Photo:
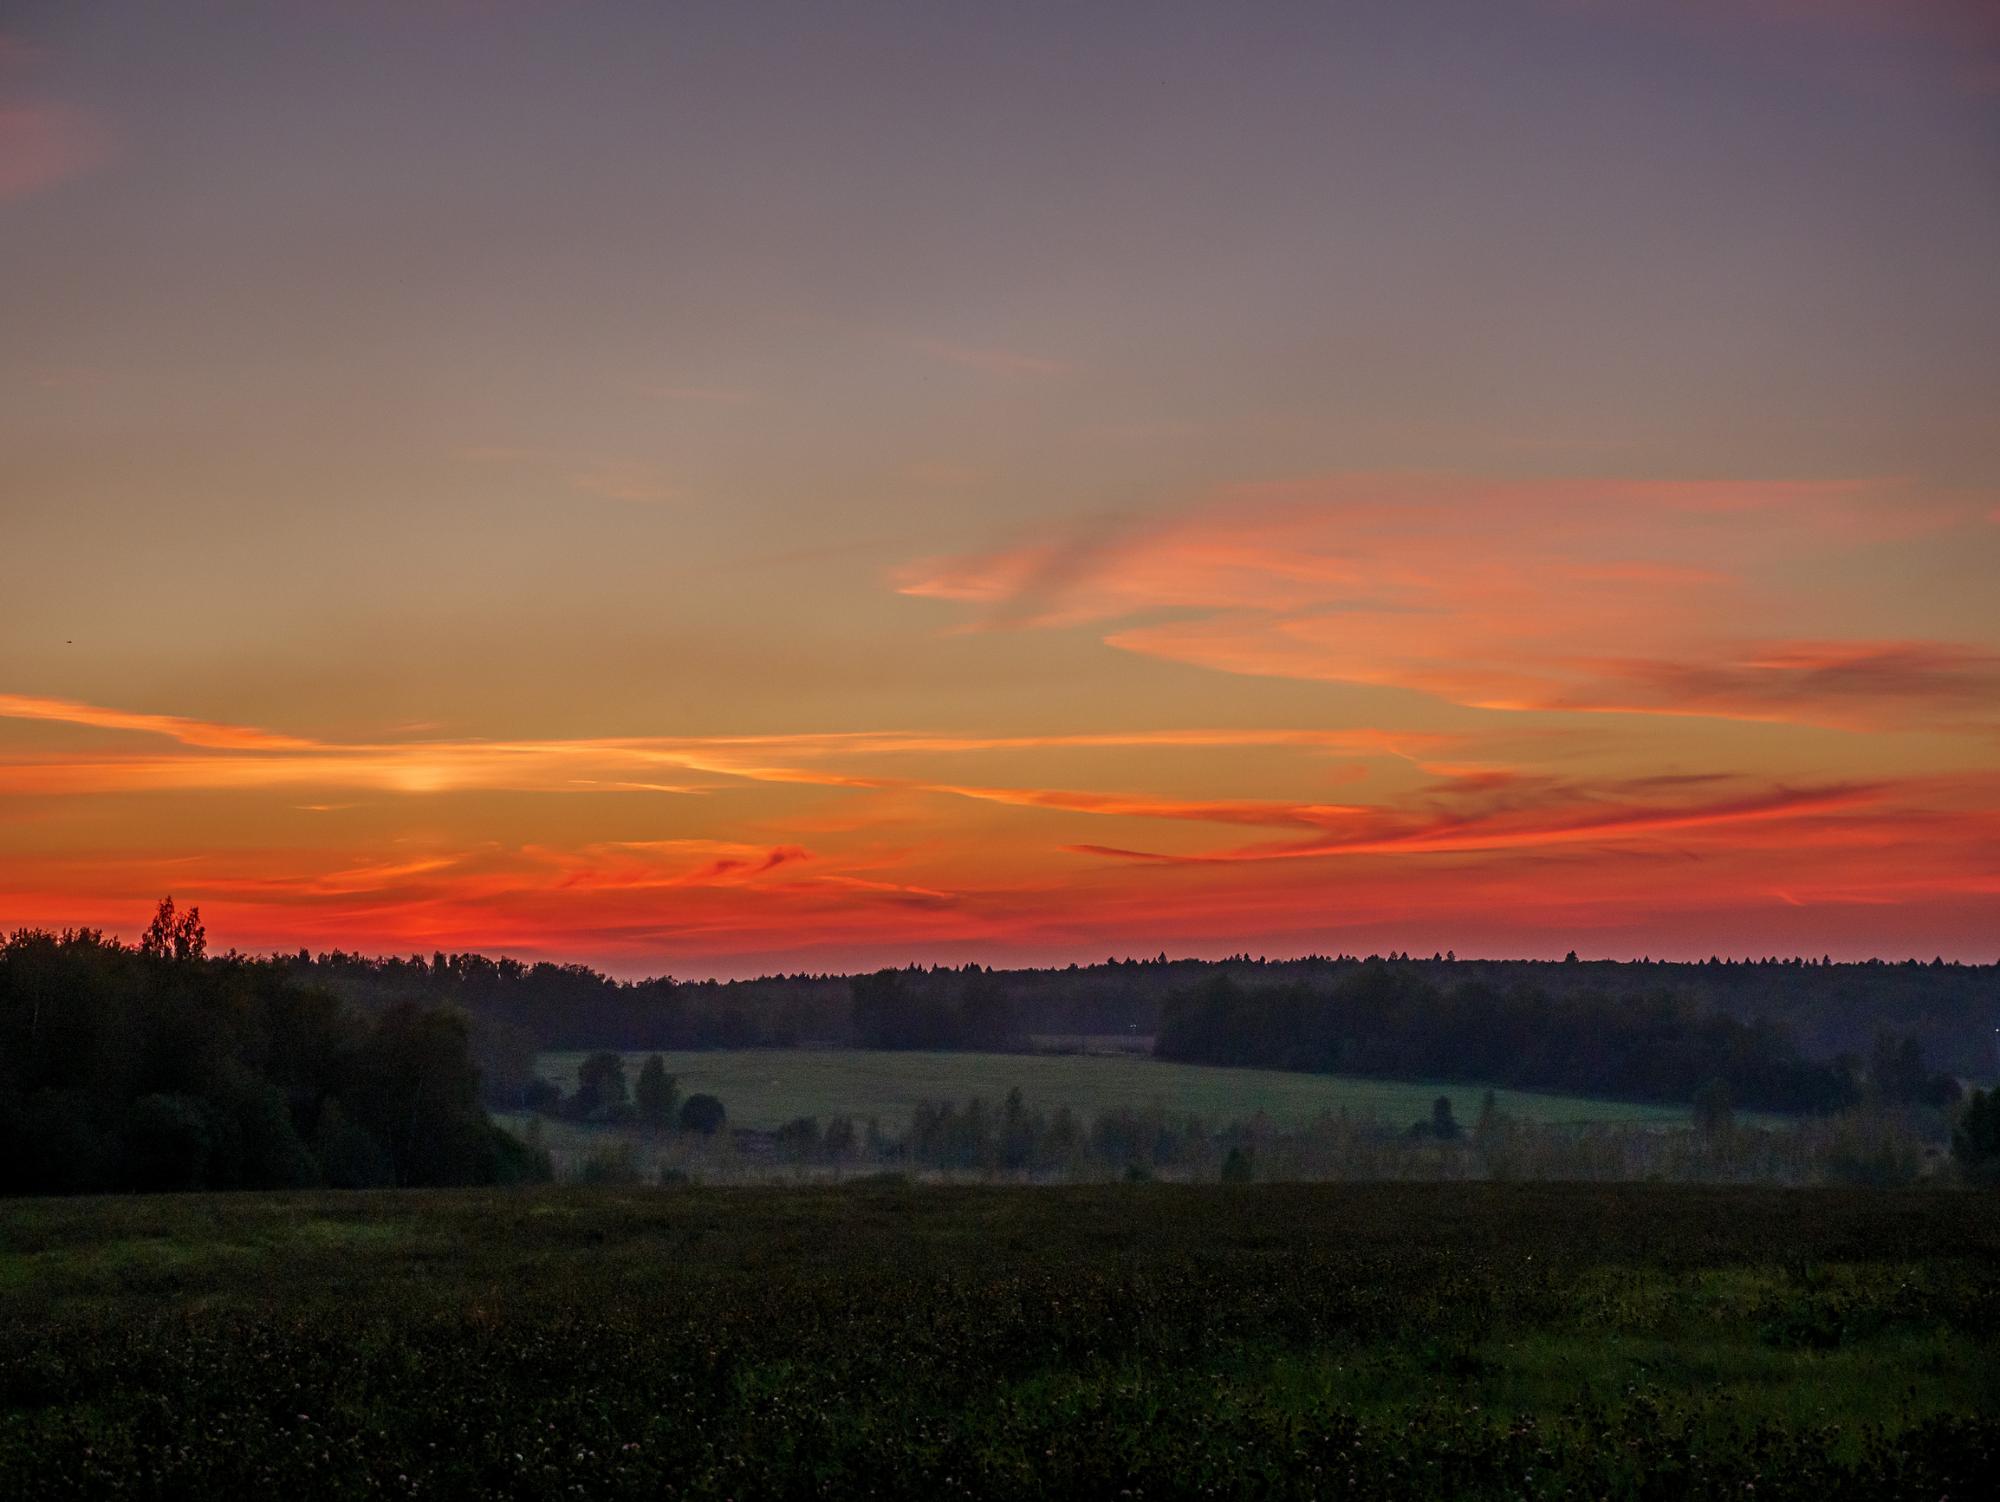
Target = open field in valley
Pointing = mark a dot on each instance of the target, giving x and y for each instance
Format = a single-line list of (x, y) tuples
[(764, 1087)]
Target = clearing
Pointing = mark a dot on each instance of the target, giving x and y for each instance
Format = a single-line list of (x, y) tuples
[(766, 1087)]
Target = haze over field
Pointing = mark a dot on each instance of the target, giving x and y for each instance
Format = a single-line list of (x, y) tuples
[(716, 490)]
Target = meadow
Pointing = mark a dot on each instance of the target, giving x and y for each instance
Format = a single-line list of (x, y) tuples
[(766, 1087), (1467, 1340)]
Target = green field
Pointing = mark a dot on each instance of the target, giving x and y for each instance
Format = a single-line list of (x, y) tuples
[(765, 1087), (891, 1340)]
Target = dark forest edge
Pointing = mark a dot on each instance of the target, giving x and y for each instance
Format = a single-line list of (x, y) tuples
[(156, 1067), (1826, 1008), (1775, 1035), (153, 1067)]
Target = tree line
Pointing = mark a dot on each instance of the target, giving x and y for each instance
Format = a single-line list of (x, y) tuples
[(156, 1067), (1826, 1008), (1394, 1022)]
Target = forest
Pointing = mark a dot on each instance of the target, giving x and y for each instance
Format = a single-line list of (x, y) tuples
[(1780, 1034), (155, 1067), (1386, 1021)]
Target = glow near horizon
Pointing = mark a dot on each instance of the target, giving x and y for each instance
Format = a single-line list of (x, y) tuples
[(708, 494)]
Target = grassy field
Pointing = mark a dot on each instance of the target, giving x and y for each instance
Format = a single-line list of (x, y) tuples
[(888, 1340), (765, 1087)]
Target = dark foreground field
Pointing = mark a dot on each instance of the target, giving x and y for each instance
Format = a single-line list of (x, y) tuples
[(1434, 1340)]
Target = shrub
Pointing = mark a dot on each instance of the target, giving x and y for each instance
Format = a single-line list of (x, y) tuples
[(704, 1114), (610, 1163), (542, 1097), (519, 1162), (799, 1137), (657, 1096), (1975, 1137)]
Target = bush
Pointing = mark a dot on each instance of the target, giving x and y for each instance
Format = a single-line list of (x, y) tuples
[(518, 1162), (610, 1163), (704, 1114), (601, 1094), (1975, 1137), (1874, 1152), (657, 1096), (799, 1137), (542, 1097)]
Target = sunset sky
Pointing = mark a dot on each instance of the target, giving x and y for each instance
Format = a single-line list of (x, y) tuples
[(718, 489)]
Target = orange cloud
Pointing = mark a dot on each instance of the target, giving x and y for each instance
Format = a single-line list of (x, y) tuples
[(1377, 834), (1567, 595), (989, 358), (45, 144), (187, 732), (584, 764), (970, 864), (1139, 806)]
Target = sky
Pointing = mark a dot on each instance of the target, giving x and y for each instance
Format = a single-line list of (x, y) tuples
[(711, 490)]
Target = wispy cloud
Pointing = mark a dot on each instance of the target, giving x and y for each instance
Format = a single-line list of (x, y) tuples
[(1569, 595), (992, 359), (1450, 834), (640, 484), (722, 395), (42, 145), (1573, 822), (633, 481), (608, 764), (188, 732)]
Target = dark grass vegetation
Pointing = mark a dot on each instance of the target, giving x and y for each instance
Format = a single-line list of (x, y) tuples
[(1458, 1340)]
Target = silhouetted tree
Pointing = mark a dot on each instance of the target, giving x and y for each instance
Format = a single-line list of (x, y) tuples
[(657, 1096), (1492, 1121), (174, 935), (601, 1094), (543, 1097), (157, 1068), (703, 1114), (413, 1089), (1975, 1137)]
